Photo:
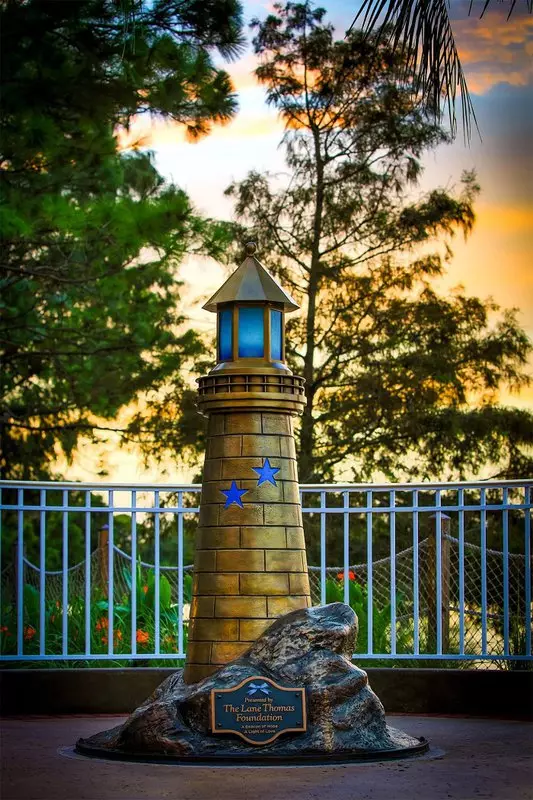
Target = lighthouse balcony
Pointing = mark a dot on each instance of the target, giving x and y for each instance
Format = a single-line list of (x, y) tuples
[(282, 392)]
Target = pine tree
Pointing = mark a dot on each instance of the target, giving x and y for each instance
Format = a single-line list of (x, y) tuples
[(92, 236)]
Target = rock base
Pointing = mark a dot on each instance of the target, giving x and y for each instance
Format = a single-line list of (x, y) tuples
[(310, 648)]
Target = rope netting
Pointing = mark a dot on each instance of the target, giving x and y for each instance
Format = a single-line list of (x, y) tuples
[(471, 624), (98, 577), (471, 620)]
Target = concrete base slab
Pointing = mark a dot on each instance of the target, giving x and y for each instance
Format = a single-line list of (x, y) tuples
[(429, 753), (483, 760)]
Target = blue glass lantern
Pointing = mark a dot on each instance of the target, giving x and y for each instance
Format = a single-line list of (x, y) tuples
[(251, 335), (225, 335), (251, 308), (276, 335), (250, 332)]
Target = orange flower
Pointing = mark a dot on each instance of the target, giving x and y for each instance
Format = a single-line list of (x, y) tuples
[(29, 633), (104, 639), (145, 589), (118, 634), (351, 576), (102, 624), (4, 629), (142, 636)]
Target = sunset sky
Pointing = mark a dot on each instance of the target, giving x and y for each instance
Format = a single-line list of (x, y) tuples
[(497, 259)]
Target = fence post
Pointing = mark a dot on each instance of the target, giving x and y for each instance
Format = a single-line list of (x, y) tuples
[(103, 558), (15, 562), (445, 610), (431, 585)]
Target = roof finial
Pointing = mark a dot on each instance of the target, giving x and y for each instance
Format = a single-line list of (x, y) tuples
[(251, 247)]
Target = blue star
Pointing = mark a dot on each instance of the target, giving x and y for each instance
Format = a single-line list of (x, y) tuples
[(233, 495), (266, 473)]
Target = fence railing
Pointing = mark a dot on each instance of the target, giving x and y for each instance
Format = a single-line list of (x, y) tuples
[(102, 572)]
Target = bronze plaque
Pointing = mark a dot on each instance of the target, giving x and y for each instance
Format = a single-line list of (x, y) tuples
[(258, 710)]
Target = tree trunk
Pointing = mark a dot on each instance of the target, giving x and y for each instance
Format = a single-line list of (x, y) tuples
[(306, 459)]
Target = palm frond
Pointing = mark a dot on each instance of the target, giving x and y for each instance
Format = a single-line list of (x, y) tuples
[(529, 6), (421, 30)]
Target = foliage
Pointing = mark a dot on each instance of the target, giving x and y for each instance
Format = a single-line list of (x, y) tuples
[(144, 626), (92, 235), (99, 621), (422, 31), (401, 381), (358, 600)]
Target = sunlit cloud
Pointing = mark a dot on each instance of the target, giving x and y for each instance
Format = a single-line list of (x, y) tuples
[(242, 72), (155, 133), (507, 219), (495, 260), (483, 80), (495, 50), (522, 400)]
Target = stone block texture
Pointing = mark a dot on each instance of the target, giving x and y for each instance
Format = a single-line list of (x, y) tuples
[(250, 565)]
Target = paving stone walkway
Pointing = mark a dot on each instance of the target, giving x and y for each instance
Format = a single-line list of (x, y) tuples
[(482, 760)]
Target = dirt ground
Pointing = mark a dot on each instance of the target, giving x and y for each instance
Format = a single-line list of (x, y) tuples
[(471, 759)]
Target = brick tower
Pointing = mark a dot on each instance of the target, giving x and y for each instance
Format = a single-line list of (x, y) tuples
[(250, 564)]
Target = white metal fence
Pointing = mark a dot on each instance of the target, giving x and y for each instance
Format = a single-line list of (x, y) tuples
[(102, 572)]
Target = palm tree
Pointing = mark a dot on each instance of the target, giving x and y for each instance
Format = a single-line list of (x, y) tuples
[(423, 31)]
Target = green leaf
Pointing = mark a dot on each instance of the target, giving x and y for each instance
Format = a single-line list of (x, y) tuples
[(126, 574), (31, 597), (165, 592), (187, 588)]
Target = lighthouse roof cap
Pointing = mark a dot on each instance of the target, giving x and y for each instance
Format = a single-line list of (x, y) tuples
[(251, 283)]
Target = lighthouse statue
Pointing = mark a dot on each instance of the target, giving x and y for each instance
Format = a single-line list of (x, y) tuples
[(250, 564), (266, 677)]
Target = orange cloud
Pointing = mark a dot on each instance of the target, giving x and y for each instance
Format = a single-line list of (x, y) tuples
[(144, 132), (482, 81), (508, 219), (495, 50), (522, 400), (242, 72), (496, 259)]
